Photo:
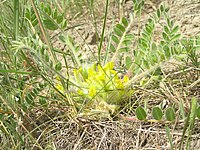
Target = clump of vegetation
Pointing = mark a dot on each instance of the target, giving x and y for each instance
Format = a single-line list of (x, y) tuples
[(99, 90)]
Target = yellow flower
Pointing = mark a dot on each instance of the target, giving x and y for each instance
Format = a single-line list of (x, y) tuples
[(113, 72), (60, 87), (109, 66), (58, 78), (126, 79), (119, 84), (91, 72), (92, 91), (80, 92)]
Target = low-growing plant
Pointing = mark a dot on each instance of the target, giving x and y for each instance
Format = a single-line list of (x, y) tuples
[(100, 84), (99, 90)]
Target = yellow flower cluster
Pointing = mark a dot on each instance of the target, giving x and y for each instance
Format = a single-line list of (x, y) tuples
[(103, 89), (99, 79)]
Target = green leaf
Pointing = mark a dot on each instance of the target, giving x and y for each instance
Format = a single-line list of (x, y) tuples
[(115, 39), (176, 37), (118, 32), (51, 63), (144, 45), (58, 66), (33, 94), (182, 110), (193, 110), (59, 19), (162, 43), (175, 29), (55, 14), (155, 17), (146, 63), (119, 26), (172, 23), (46, 58), (35, 22), (128, 62), (36, 91), (43, 102), (28, 14), (42, 5), (124, 49), (153, 46), (148, 29), (112, 48), (165, 37), (40, 86), (157, 72), (125, 21), (158, 13), (169, 136), (33, 17), (47, 9), (64, 24), (50, 24), (198, 112), (161, 54), (24, 107), (153, 56), (141, 113), (166, 29), (42, 50), (167, 51), (143, 40), (129, 36), (170, 114), (127, 42), (62, 38), (167, 9), (161, 8), (150, 21), (157, 113), (138, 12), (169, 23), (29, 99), (145, 36)]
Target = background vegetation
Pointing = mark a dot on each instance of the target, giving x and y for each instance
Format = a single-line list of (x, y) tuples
[(121, 78)]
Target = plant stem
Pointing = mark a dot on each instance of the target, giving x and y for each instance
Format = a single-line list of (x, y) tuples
[(102, 34), (16, 18)]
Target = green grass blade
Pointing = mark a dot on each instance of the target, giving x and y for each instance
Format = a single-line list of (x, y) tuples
[(14, 71), (192, 121), (169, 136), (16, 18), (102, 34)]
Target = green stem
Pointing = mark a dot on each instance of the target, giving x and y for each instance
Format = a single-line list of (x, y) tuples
[(102, 34), (16, 18)]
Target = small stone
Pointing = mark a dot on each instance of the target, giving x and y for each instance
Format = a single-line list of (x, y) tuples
[(196, 21)]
